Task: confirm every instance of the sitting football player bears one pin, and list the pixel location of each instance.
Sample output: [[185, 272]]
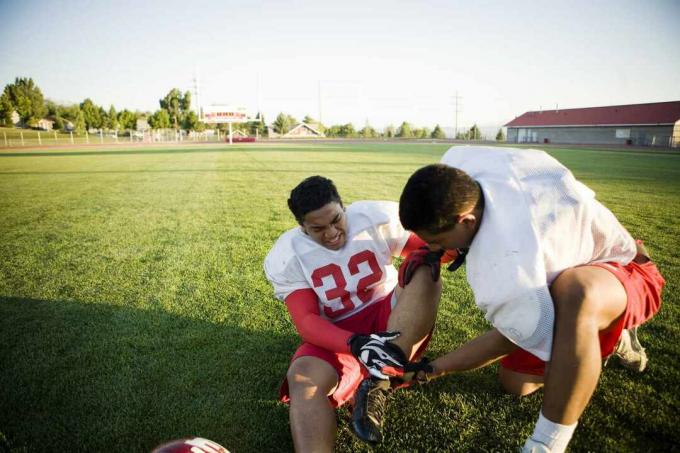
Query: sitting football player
[[357, 316]]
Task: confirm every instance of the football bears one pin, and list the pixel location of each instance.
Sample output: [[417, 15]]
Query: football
[[190, 445]]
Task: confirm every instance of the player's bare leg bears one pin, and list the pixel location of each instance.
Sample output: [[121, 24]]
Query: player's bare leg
[[312, 418], [520, 384], [413, 316], [416, 311], [587, 300]]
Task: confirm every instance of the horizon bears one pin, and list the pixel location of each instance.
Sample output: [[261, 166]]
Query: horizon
[[376, 64]]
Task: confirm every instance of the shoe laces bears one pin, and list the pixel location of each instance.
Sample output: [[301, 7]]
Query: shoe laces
[[376, 402]]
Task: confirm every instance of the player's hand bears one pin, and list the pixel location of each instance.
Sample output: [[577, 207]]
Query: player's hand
[[417, 258], [380, 357], [418, 371]]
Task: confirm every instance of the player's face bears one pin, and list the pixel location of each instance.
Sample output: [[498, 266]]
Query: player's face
[[327, 226], [460, 236]]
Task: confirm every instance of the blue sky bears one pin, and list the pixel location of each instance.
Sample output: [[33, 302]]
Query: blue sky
[[376, 61]]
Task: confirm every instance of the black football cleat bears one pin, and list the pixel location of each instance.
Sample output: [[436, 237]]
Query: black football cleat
[[369, 409]]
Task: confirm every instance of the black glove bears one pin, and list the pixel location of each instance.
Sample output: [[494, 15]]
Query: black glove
[[417, 258], [381, 359]]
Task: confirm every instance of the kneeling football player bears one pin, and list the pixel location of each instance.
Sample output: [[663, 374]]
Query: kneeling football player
[[335, 274]]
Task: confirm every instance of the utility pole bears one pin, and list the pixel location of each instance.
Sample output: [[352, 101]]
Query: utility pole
[[456, 100], [197, 92], [319, 100]]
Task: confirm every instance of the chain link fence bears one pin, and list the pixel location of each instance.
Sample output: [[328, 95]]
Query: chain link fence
[[13, 138]]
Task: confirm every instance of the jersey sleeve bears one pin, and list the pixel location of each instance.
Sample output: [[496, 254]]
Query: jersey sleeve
[[303, 307], [283, 270]]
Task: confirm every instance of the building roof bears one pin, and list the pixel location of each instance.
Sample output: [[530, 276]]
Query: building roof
[[614, 115], [305, 126]]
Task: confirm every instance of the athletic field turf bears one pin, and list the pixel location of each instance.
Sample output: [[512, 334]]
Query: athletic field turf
[[134, 308]]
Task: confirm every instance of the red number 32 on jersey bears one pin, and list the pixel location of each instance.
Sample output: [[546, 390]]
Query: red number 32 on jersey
[[363, 290]]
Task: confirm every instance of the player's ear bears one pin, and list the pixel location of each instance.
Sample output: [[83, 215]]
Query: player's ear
[[468, 220]]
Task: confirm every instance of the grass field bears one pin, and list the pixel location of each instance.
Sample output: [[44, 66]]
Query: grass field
[[134, 308]]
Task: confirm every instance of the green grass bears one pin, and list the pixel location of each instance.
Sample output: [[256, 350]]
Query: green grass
[[134, 308]]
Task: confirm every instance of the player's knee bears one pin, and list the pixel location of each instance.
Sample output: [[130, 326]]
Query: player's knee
[[574, 295], [514, 384], [307, 378], [520, 389]]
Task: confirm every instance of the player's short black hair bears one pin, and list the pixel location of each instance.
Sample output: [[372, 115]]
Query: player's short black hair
[[311, 194], [434, 197]]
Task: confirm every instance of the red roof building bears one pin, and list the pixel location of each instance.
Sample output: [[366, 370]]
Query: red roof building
[[652, 124]]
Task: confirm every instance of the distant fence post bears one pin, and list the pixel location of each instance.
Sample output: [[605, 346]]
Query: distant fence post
[[130, 135], [71, 137], [22, 137], [55, 136], [87, 138], [5, 134], [101, 137], [39, 140]]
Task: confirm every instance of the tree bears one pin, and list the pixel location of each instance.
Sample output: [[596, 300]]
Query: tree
[[70, 112], [92, 114], [79, 123], [347, 130], [334, 131], [176, 105], [257, 127], [25, 97], [185, 103], [474, 133], [52, 108], [438, 133], [388, 131], [190, 121], [405, 131], [283, 123], [6, 110], [58, 123], [127, 119], [160, 120], [112, 119], [421, 133], [368, 132], [500, 136]]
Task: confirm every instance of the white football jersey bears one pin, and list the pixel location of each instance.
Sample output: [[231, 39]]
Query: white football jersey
[[538, 221], [347, 280]]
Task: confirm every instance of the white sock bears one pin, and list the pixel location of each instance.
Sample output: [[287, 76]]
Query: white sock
[[552, 434]]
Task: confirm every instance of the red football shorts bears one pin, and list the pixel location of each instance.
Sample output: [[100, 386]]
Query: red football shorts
[[350, 372], [643, 284]]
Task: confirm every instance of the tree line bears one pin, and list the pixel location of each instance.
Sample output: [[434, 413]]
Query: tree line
[[285, 122], [26, 99]]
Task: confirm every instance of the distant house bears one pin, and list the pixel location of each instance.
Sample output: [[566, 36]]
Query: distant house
[[653, 124], [303, 130], [45, 124], [237, 133], [142, 125]]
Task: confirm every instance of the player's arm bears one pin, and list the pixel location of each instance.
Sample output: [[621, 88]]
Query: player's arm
[[303, 306], [476, 353]]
